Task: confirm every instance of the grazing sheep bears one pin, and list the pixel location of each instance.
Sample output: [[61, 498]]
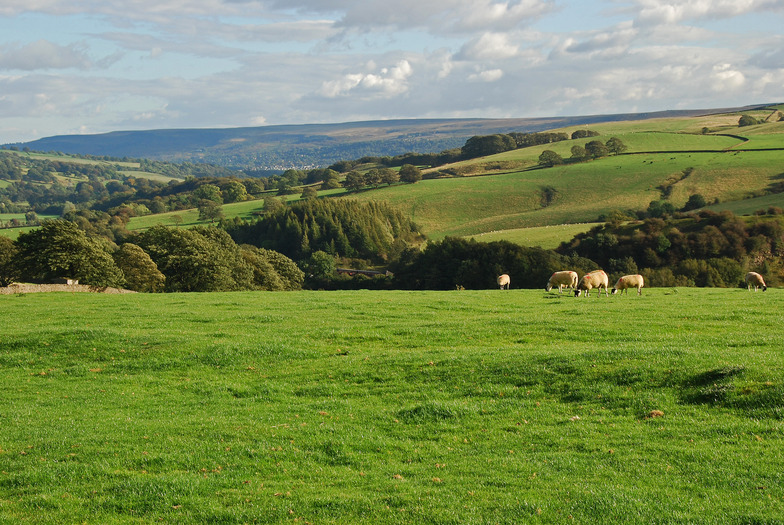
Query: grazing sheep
[[629, 281], [563, 279], [503, 281], [596, 279], [754, 279]]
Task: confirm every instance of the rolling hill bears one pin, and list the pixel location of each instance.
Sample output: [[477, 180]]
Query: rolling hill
[[309, 145], [505, 191]]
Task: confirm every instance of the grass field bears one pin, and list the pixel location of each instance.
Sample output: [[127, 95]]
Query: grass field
[[547, 237], [394, 407], [472, 205]]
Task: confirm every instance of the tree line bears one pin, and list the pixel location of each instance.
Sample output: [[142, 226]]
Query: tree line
[[696, 249], [161, 259]]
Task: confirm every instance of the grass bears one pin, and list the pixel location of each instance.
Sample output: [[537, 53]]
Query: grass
[[503, 192], [473, 205], [74, 160], [393, 407], [548, 237]]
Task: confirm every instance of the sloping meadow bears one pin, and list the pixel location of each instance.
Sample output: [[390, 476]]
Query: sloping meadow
[[392, 407]]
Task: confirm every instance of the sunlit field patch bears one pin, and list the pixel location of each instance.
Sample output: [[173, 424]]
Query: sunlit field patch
[[490, 406]]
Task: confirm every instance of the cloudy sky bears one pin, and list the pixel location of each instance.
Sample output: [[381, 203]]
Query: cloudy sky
[[91, 66]]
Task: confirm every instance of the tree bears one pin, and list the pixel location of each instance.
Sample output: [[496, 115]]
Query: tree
[[389, 176], [373, 178], [9, 271], [209, 192], [141, 273], [584, 133], [747, 120], [309, 192], [273, 204], [209, 210], [234, 191], [549, 158], [695, 201], [321, 265], [579, 153], [60, 249], [331, 180], [410, 173], [481, 146], [615, 145], [596, 149], [355, 181], [200, 259]]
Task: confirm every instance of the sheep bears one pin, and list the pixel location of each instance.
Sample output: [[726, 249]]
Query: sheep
[[596, 279], [562, 279], [629, 281], [503, 281], [754, 279]]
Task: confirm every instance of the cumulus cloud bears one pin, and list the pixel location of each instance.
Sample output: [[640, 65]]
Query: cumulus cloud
[[490, 75], [674, 11], [387, 82], [131, 64], [488, 46], [435, 16]]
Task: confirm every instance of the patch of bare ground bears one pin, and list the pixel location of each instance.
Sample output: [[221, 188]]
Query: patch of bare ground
[[37, 288]]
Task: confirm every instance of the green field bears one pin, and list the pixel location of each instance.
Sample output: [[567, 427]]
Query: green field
[[547, 237], [472, 205], [74, 160], [393, 407], [503, 191]]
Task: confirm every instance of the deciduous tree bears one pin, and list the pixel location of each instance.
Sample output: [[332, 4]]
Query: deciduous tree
[[60, 249], [410, 173], [141, 273]]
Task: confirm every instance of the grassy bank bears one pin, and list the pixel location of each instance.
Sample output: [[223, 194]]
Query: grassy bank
[[395, 407]]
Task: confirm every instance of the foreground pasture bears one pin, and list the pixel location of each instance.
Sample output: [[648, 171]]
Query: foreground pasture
[[393, 407]]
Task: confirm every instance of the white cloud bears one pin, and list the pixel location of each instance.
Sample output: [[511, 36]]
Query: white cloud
[[386, 83], [490, 75], [674, 11], [727, 78], [140, 64], [488, 46]]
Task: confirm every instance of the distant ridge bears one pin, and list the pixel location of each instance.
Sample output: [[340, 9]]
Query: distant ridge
[[308, 145]]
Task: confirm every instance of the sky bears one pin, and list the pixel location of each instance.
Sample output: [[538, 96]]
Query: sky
[[94, 66]]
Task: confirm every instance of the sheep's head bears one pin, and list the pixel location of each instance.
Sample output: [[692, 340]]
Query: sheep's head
[[614, 291]]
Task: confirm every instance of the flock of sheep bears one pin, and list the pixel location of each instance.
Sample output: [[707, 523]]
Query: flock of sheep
[[598, 279]]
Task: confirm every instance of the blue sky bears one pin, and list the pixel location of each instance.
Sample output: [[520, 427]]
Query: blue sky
[[92, 66]]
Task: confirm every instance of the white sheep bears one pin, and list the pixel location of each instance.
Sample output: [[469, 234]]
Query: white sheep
[[562, 279], [596, 279], [754, 279], [629, 281], [503, 281]]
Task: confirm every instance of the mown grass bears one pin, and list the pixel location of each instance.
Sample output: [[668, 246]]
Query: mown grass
[[394, 407]]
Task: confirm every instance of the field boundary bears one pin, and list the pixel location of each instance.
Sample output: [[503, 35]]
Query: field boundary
[[39, 288]]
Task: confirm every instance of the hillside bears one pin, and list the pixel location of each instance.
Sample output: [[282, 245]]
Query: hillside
[[727, 164], [309, 145]]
